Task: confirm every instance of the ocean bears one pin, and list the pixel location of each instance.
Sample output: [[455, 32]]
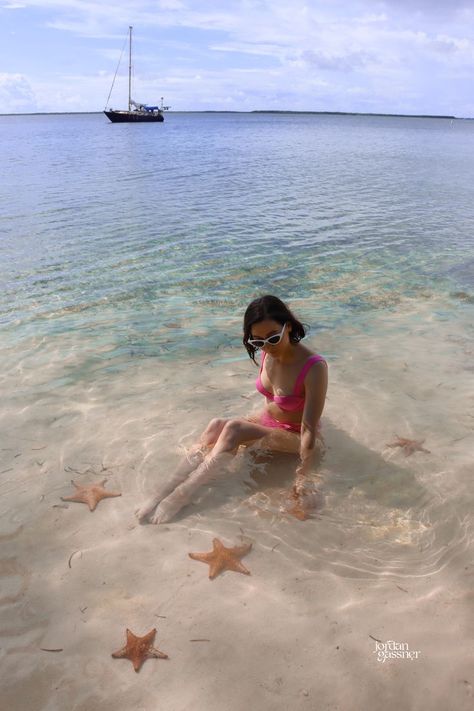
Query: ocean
[[128, 256]]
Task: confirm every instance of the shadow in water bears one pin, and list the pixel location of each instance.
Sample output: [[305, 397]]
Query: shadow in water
[[379, 517]]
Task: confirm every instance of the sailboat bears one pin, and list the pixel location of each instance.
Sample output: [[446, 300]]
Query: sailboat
[[137, 112]]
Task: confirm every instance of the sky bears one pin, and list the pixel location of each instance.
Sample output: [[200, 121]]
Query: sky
[[385, 56]]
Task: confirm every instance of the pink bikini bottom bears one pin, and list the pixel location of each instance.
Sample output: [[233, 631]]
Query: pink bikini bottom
[[268, 421]]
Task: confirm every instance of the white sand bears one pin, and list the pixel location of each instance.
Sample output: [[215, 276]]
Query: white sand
[[388, 557]]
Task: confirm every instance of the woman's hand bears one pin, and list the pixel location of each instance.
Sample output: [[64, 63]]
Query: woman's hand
[[304, 498], [299, 487]]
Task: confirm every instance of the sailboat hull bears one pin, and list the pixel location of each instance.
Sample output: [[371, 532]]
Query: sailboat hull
[[134, 116]]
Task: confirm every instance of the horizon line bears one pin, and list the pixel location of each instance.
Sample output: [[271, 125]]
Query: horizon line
[[257, 111]]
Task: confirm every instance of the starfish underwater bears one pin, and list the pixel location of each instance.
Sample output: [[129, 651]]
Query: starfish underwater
[[138, 649], [90, 494], [222, 558], [409, 445]]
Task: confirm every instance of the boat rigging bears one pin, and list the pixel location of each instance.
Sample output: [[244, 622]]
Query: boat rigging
[[136, 112]]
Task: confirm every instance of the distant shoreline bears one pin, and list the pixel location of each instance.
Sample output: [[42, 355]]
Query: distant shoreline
[[258, 111]]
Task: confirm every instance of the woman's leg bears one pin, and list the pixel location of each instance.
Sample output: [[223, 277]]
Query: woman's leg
[[188, 464], [233, 434]]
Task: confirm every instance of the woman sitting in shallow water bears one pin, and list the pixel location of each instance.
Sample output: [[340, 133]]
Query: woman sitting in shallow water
[[293, 380]]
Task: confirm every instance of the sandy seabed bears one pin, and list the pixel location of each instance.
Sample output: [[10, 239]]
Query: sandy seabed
[[388, 557]]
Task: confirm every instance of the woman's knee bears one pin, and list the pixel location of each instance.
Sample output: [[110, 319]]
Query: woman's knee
[[213, 430], [232, 433]]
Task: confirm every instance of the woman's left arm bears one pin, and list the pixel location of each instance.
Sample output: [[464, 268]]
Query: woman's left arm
[[316, 384]]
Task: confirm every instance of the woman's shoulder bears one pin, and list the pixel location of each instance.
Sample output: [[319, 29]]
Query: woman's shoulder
[[307, 353], [314, 373], [312, 364]]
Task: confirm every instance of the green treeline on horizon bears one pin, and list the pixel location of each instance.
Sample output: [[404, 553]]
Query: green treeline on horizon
[[255, 111]]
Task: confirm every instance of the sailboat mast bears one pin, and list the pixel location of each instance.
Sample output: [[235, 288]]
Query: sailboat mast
[[130, 70]]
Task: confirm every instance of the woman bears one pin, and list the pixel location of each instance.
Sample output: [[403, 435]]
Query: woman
[[293, 381]]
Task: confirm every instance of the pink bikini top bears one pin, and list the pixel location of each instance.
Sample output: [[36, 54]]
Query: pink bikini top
[[291, 402]]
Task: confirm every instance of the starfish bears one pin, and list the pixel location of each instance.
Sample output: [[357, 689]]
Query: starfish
[[138, 649], [409, 445], [90, 494], [222, 558]]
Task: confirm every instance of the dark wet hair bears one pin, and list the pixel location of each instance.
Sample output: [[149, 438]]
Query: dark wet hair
[[270, 307]]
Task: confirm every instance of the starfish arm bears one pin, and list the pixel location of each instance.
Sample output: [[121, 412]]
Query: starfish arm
[[399, 442], [81, 496], [148, 638], [419, 445], [157, 654], [203, 557], [91, 500], [238, 567], [216, 567], [96, 495], [121, 654]]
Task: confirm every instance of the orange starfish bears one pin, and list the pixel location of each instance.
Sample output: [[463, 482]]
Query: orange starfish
[[222, 558], [90, 494], [409, 445], [138, 649]]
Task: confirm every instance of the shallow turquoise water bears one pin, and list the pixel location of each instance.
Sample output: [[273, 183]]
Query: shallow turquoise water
[[118, 230]]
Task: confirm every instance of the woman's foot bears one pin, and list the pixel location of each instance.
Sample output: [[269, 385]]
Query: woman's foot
[[208, 470], [191, 461], [144, 511], [169, 507]]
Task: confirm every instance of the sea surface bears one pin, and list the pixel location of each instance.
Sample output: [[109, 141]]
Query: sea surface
[[128, 254], [118, 229]]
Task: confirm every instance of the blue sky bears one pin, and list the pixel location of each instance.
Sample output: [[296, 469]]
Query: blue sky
[[394, 56]]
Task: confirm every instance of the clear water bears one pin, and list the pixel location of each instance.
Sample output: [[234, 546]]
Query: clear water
[[128, 256], [126, 227]]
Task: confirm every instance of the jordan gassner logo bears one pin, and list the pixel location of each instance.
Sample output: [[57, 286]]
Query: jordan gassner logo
[[394, 650]]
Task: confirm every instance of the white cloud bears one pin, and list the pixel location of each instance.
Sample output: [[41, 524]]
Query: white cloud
[[431, 7], [341, 63], [389, 50], [16, 94]]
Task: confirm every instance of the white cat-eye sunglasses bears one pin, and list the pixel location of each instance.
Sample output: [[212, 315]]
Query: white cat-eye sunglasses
[[272, 340]]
